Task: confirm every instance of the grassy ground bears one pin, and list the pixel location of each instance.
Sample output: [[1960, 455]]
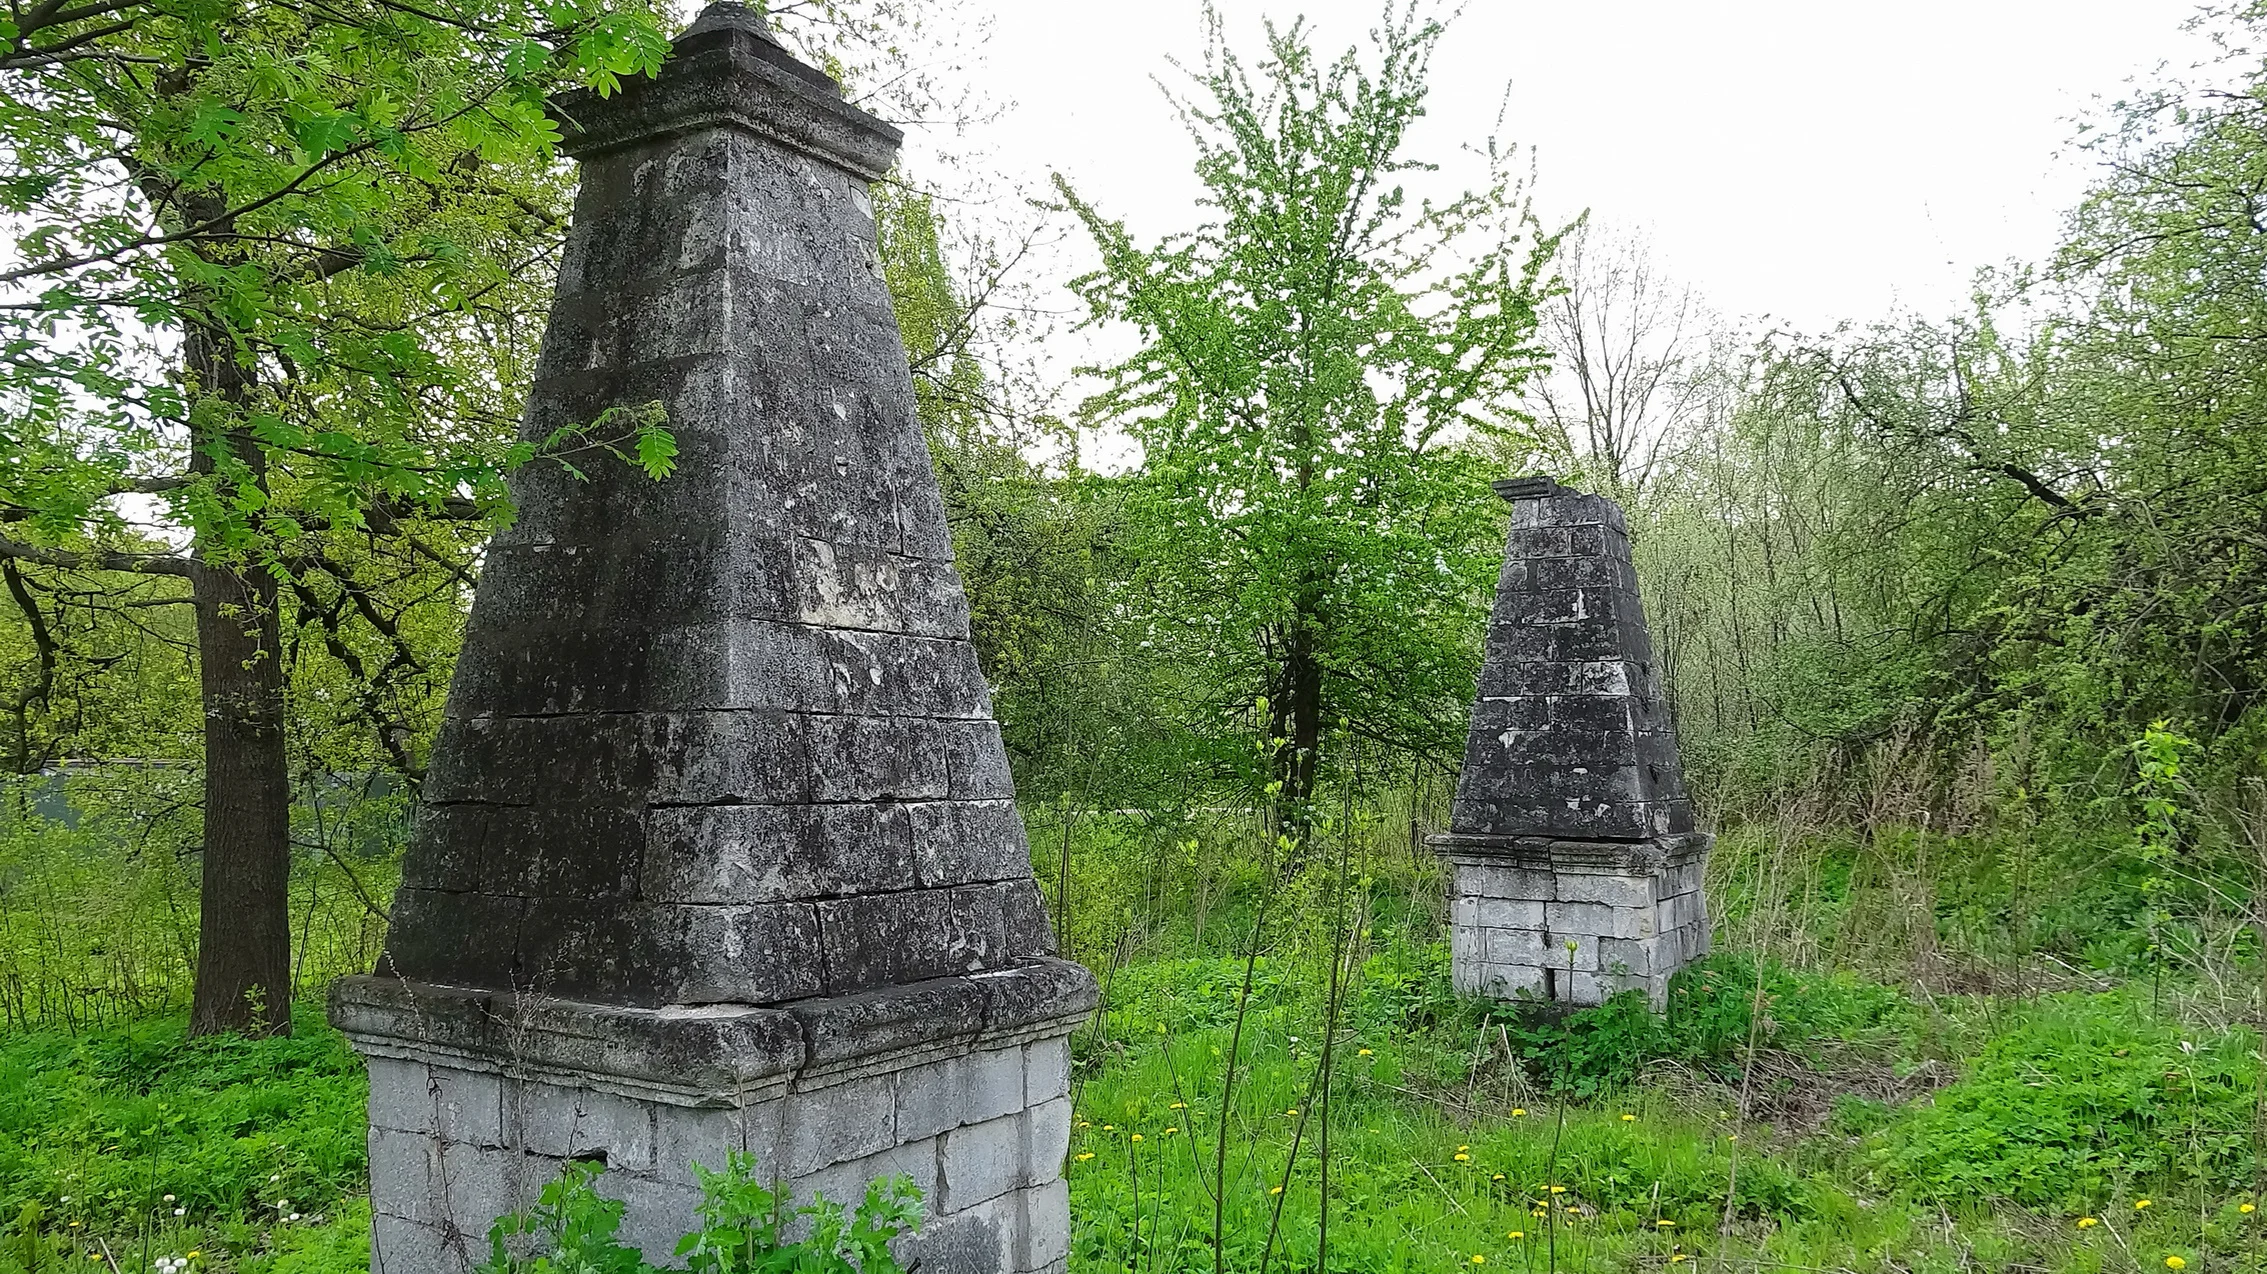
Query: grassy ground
[[1457, 1136], [1893, 1068]]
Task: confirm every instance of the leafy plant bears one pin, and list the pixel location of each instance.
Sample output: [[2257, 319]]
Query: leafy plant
[[572, 1229]]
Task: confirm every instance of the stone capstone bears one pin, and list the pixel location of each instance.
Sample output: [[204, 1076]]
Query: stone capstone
[[1574, 867], [718, 834]]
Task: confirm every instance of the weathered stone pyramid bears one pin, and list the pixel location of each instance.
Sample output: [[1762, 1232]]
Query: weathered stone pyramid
[[718, 849], [1570, 734], [721, 737], [1575, 870]]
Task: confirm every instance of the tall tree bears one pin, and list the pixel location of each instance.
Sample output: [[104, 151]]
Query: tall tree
[[1635, 363], [1314, 538], [270, 269]]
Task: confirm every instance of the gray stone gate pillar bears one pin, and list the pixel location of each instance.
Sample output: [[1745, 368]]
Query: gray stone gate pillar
[[1574, 869], [718, 849]]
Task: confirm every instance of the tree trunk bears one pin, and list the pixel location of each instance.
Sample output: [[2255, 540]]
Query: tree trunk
[[244, 918], [1298, 723]]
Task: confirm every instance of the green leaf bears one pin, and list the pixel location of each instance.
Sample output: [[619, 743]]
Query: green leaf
[[657, 451]]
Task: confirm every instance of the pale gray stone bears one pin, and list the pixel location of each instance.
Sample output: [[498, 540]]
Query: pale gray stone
[[1047, 1070], [399, 1245], [982, 1161], [966, 1089], [1045, 1227], [1613, 891], [401, 1096], [841, 1121]]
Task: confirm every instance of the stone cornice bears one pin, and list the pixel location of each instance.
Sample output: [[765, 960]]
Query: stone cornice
[[727, 72]]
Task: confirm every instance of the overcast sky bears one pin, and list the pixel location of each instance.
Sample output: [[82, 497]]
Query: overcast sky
[[1812, 161]]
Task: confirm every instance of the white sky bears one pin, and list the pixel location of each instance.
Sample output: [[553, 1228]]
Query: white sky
[[1812, 161]]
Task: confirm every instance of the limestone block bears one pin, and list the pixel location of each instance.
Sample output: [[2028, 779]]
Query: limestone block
[[845, 1183], [581, 1123], [405, 1173], [655, 1215], [399, 1245], [1508, 981], [1046, 1139], [1509, 913], [1045, 1226], [976, 762], [1467, 944], [963, 842], [1629, 955], [1518, 946], [401, 1096], [982, 1239], [1047, 1070], [982, 1161], [484, 1182], [842, 1121], [1489, 880], [968, 1089], [1601, 921], [878, 758], [1612, 890], [688, 1135]]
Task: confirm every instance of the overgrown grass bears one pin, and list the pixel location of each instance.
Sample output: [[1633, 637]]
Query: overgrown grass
[[133, 1143]]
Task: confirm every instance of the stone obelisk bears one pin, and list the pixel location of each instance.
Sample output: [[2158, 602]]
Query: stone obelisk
[[1575, 872], [718, 848]]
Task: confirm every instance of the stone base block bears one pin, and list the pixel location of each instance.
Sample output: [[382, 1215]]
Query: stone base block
[[973, 1106], [1573, 922]]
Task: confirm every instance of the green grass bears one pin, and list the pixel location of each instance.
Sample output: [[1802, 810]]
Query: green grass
[[2074, 1106], [97, 1130], [2069, 1106]]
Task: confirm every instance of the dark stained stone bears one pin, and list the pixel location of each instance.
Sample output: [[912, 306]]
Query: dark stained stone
[[721, 738], [1570, 736]]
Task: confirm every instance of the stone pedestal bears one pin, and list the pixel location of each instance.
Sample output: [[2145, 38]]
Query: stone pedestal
[[718, 846], [1576, 922], [1575, 872], [963, 1085]]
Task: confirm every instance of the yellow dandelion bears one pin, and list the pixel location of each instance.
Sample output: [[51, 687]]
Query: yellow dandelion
[[1629, 1119], [2139, 1204], [1293, 1111], [2175, 1263], [1666, 1225], [1276, 1190], [1363, 1053], [1170, 1131], [1179, 1105], [1137, 1136], [1519, 1112], [2087, 1223], [1478, 1259], [1558, 1189], [1464, 1147], [2246, 1208], [1109, 1128], [1516, 1234], [1678, 1257], [1498, 1176], [1085, 1155], [1462, 1158]]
